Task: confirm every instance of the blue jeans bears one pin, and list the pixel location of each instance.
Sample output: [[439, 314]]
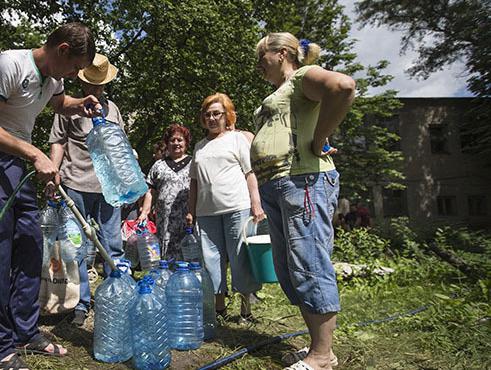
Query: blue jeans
[[300, 210], [221, 240], [93, 205], [21, 246]]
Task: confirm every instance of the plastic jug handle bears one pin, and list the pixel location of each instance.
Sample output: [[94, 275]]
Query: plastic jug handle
[[244, 228]]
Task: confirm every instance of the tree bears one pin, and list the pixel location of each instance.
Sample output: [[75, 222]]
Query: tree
[[444, 31], [172, 54]]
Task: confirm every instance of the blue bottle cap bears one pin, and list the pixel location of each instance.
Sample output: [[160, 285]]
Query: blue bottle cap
[[188, 229], [144, 289], [182, 266], [194, 266], [125, 262], [149, 280], [115, 274], [52, 203], [98, 120], [163, 264]]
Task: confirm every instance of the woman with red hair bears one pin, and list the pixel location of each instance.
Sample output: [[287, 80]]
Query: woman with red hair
[[168, 180], [223, 195]]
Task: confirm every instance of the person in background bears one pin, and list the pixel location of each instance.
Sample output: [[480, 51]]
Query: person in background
[[223, 194], [69, 152], [29, 80], [298, 182], [169, 181]]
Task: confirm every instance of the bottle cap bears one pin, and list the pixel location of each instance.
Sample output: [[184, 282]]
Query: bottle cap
[[115, 274], [144, 289], [149, 280], [194, 266], [182, 266], [98, 120], [163, 264], [188, 229], [125, 261]]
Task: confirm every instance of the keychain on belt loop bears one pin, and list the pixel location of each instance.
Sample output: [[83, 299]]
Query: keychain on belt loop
[[307, 201]]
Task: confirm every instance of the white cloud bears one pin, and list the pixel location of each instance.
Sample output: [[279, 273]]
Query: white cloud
[[378, 43]]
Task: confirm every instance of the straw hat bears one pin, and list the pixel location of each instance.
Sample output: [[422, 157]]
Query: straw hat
[[100, 72]]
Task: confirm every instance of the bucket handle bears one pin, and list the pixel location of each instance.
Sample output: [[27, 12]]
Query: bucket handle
[[244, 228]]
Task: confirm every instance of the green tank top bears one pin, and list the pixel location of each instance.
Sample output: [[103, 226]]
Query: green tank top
[[285, 124]]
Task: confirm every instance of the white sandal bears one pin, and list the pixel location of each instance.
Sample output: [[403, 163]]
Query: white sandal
[[292, 357], [299, 365]]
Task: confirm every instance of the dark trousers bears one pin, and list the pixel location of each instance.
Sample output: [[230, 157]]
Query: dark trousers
[[20, 258]]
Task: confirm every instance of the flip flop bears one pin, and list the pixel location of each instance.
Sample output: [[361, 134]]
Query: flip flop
[[37, 347]]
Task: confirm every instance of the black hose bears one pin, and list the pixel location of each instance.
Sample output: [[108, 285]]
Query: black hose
[[11, 199], [227, 359]]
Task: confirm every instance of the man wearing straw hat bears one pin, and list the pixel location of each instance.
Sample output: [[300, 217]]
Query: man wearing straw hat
[[69, 153]]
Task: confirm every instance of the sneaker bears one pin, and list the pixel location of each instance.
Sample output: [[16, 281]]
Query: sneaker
[[79, 317]]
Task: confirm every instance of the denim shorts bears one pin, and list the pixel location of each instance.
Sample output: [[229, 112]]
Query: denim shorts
[[300, 210]]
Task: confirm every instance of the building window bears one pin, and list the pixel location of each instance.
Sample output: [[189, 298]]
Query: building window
[[438, 139], [447, 205], [477, 205], [395, 203]]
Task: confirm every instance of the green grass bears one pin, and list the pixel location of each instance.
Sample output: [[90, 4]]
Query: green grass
[[453, 332], [450, 334]]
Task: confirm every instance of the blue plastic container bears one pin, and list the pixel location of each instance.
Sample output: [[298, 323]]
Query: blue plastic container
[[115, 165], [184, 309], [111, 319], [149, 330], [209, 314]]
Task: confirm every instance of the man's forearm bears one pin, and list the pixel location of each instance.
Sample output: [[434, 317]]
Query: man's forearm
[[69, 106], [56, 154], [20, 148]]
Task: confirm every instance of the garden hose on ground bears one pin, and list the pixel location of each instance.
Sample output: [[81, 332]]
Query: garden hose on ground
[[88, 229], [227, 359]]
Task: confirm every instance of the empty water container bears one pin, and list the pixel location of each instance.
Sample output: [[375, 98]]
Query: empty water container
[[184, 309], [149, 330], [111, 319], [115, 165], [148, 249], [70, 234], [190, 248], [49, 222], [209, 315]]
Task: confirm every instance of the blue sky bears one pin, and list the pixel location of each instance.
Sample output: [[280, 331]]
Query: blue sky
[[377, 43]]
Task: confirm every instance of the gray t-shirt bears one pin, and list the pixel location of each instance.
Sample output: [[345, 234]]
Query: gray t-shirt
[[25, 92], [77, 171]]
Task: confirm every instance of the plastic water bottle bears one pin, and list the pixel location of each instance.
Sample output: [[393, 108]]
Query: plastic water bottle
[[91, 252], [148, 249], [184, 309], [150, 343], [131, 250], [49, 222], [164, 274], [111, 319], [115, 165], [70, 235], [209, 314], [125, 269], [190, 248]]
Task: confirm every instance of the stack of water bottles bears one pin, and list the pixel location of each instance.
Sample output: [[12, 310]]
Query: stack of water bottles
[[165, 311], [115, 165]]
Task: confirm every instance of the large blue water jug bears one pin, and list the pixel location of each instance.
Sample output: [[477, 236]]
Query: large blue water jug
[[184, 309], [49, 222], [209, 314], [150, 343], [115, 165], [111, 319], [70, 234], [190, 248]]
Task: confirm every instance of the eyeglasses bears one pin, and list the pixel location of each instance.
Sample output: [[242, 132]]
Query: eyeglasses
[[216, 114]]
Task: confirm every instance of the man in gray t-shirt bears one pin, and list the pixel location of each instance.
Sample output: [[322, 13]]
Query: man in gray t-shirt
[[69, 152], [29, 80]]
